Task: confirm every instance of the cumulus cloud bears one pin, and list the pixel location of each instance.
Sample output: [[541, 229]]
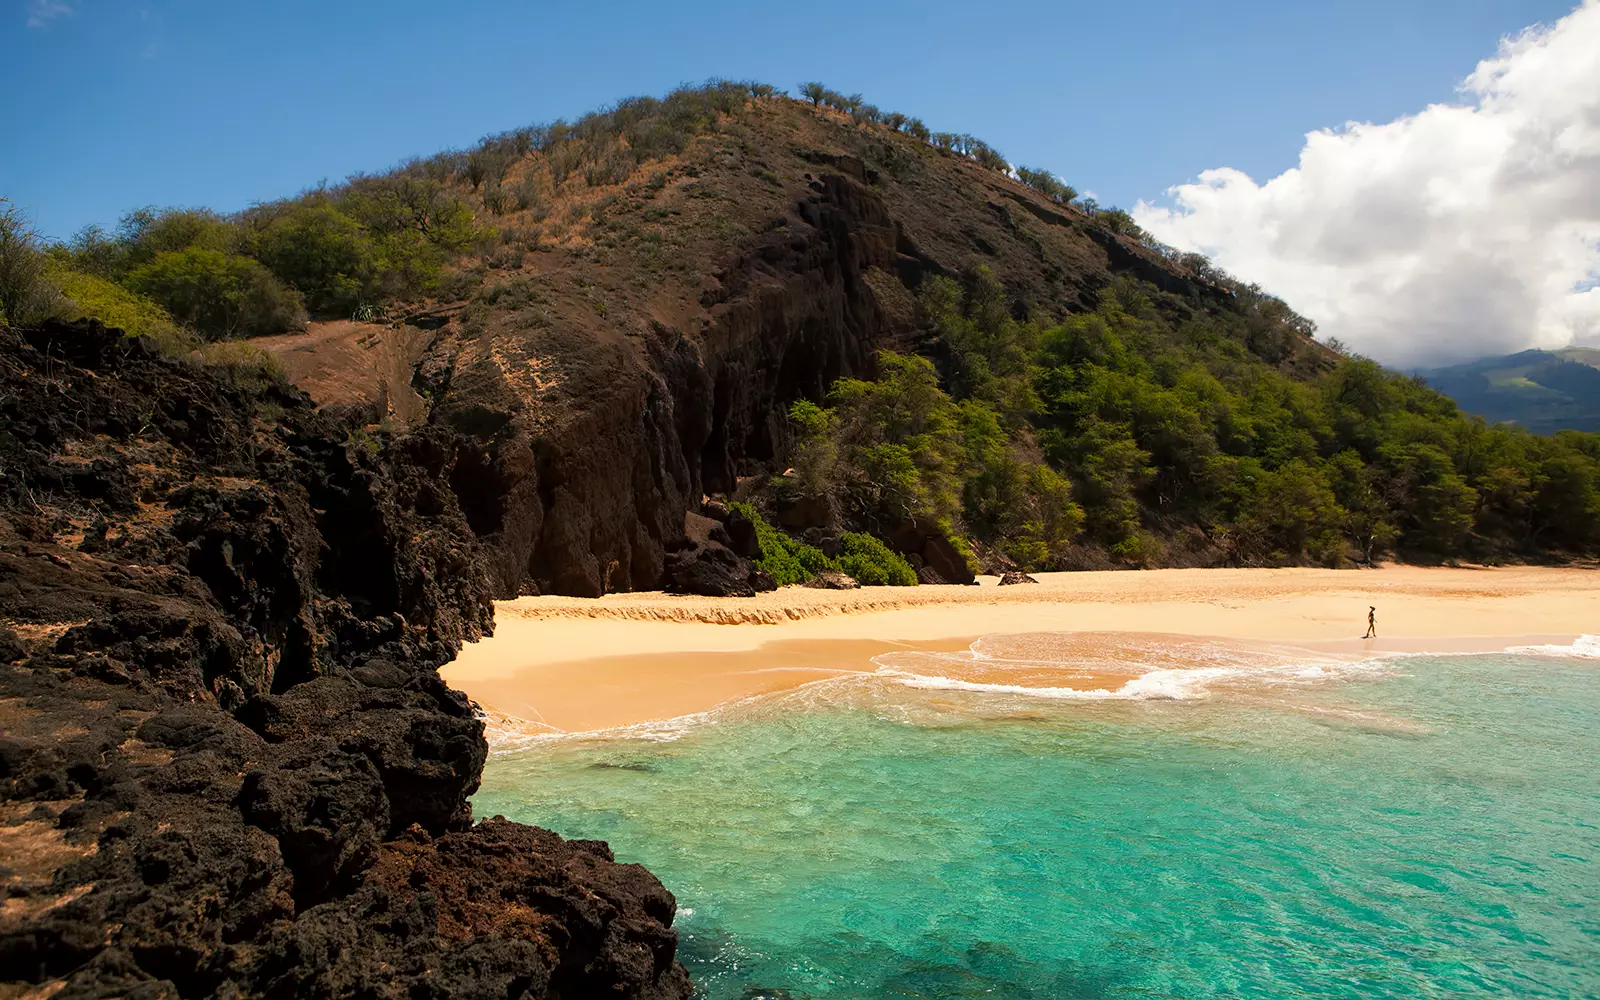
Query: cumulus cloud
[[42, 12], [1464, 230]]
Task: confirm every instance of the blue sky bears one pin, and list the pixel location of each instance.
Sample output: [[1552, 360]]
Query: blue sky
[[119, 103]]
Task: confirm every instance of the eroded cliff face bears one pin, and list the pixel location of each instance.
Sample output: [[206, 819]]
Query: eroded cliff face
[[228, 766], [582, 484], [647, 354]]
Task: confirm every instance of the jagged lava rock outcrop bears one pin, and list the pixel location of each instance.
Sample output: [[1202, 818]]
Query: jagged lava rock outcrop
[[228, 766]]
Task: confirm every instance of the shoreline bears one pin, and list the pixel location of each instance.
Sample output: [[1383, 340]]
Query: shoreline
[[575, 665]]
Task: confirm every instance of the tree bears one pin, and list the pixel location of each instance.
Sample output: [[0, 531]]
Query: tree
[[220, 295], [990, 158], [1120, 222], [1047, 184], [26, 295], [814, 92], [325, 254]]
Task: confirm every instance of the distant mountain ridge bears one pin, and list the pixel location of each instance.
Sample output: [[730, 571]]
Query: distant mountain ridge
[[1544, 391]]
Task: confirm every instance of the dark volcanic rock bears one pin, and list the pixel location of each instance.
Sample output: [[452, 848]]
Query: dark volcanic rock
[[928, 544], [742, 536], [705, 564], [1013, 578], [228, 766]]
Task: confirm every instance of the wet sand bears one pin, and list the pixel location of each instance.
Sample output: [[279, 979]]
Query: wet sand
[[568, 664]]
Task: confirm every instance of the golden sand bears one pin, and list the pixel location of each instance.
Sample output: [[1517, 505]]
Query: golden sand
[[573, 664]]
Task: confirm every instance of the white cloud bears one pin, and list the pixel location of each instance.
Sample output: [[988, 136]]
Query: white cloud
[[1463, 230], [42, 12]]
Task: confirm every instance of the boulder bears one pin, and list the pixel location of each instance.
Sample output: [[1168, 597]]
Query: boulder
[[709, 571], [924, 540], [1011, 578], [742, 535], [706, 564], [715, 509], [799, 512]]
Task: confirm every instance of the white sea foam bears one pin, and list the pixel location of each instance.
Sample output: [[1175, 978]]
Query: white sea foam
[[1162, 667], [1584, 647], [1061, 667]]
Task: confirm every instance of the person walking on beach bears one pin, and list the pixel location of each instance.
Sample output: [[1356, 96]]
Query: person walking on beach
[[1372, 623]]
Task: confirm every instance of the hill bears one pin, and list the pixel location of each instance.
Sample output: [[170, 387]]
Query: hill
[[862, 327], [1544, 391]]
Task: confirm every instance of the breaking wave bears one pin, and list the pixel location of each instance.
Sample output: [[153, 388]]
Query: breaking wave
[[1101, 666], [1584, 647]]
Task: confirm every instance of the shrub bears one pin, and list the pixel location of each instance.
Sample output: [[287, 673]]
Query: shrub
[[496, 198], [917, 129], [220, 295], [1046, 184], [990, 158], [1118, 221], [26, 294], [244, 366], [873, 564], [487, 163], [526, 195], [777, 552], [149, 232], [91, 296], [322, 252], [811, 558]]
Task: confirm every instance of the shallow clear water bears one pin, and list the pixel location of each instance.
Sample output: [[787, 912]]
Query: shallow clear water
[[1427, 828]]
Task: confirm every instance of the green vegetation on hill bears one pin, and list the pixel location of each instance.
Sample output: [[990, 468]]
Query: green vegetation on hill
[[861, 556], [431, 225], [1136, 435], [379, 240], [1153, 430], [1544, 391]]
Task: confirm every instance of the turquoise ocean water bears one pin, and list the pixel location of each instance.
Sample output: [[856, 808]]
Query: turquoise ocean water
[[1423, 826]]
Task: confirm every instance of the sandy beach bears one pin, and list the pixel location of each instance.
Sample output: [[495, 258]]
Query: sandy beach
[[571, 664]]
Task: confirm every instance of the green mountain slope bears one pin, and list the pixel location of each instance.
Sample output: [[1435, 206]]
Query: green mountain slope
[[1544, 391]]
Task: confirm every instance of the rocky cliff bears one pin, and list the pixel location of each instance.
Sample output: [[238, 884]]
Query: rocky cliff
[[642, 347], [228, 766]]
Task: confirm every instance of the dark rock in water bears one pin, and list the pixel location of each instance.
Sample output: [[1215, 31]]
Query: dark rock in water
[[930, 545], [228, 753], [832, 579], [1016, 577]]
